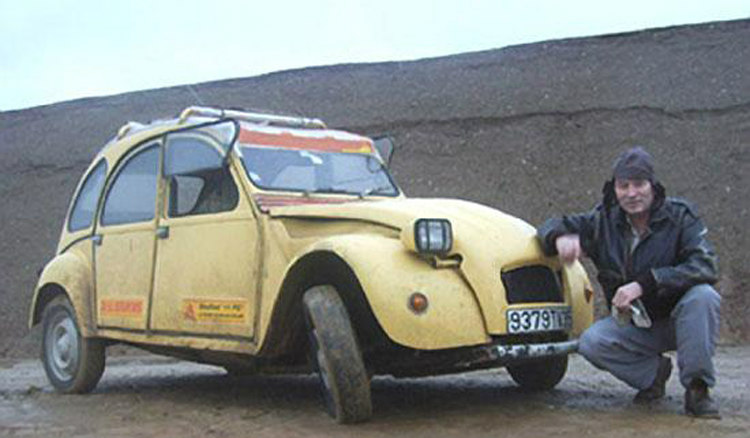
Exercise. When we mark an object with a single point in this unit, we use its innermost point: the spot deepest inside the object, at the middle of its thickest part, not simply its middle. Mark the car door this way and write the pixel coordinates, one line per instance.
(205, 278)
(124, 242)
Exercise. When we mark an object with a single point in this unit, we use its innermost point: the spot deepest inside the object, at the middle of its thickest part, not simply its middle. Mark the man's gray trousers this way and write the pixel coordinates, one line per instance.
(632, 354)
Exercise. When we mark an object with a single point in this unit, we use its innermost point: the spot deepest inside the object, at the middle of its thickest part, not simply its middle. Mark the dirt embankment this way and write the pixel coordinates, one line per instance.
(530, 129)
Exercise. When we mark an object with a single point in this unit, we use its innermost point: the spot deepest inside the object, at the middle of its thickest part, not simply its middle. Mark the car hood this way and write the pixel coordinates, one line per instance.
(473, 224)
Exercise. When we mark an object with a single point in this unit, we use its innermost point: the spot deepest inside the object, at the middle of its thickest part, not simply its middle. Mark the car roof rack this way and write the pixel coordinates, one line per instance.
(268, 119)
(126, 128)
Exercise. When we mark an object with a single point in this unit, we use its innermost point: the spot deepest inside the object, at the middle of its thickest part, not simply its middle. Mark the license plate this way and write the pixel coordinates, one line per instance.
(541, 319)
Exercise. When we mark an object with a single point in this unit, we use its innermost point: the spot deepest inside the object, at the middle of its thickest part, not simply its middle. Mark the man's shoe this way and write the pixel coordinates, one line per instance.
(658, 388)
(698, 403)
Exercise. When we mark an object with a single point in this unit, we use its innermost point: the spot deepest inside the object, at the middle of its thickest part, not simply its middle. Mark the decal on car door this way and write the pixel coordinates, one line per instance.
(215, 311)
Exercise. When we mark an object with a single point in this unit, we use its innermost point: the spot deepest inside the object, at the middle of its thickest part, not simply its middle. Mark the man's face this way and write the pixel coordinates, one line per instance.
(634, 195)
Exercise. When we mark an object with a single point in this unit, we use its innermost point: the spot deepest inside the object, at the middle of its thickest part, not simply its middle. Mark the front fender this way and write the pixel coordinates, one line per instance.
(581, 296)
(70, 272)
(389, 273)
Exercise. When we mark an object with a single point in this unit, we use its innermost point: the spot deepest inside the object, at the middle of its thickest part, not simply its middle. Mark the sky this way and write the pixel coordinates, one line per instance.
(57, 50)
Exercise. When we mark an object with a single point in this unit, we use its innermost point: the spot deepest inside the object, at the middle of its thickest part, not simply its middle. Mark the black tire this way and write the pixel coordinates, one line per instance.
(539, 375)
(240, 370)
(336, 356)
(73, 363)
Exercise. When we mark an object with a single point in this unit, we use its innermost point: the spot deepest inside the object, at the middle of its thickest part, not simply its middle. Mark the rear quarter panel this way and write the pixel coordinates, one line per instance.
(72, 272)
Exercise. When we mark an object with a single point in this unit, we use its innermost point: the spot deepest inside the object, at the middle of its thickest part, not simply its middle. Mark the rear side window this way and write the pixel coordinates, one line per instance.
(132, 197)
(84, 207)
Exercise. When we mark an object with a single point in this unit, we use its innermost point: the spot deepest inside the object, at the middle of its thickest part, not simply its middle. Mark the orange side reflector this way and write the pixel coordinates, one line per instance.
(418, 302)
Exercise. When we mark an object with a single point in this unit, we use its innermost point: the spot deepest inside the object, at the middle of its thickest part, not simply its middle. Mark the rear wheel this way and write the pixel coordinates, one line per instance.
(336, 356)
(73, 363)
(539, 375)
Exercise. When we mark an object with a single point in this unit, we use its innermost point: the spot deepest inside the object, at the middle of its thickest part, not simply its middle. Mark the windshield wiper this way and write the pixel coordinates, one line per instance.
(329, 190)
(373, 190)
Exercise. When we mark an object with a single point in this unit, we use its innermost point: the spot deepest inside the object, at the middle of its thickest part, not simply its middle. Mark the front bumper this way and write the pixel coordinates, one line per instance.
(413, 363)
(514, 353)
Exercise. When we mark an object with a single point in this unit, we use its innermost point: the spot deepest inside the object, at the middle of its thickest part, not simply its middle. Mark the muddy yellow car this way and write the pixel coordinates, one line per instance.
(268, 243)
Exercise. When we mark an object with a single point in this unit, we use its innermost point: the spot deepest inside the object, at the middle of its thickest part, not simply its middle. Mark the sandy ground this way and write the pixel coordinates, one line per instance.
(147, 396)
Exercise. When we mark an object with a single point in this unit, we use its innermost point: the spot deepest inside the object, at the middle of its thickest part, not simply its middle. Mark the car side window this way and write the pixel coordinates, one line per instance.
(132, 196)
(203, 191)
(84, 207)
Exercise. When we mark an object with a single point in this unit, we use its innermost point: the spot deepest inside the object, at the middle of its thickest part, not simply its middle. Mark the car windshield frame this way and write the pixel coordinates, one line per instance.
(320, 159)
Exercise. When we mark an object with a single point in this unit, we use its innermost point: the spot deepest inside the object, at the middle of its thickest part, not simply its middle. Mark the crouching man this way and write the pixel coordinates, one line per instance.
(650, 248)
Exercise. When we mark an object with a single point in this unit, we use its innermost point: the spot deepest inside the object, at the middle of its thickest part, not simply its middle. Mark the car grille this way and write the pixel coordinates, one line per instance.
(532, 284)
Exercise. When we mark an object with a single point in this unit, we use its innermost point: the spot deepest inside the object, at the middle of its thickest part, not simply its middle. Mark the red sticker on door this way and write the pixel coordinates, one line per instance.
(129, 308)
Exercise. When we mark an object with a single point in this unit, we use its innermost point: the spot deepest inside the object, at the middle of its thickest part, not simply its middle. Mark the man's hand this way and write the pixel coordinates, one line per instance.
(568, 247)
(625, 295)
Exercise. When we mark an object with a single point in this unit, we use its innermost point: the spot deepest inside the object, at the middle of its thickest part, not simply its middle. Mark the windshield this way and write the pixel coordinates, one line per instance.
(286, 169)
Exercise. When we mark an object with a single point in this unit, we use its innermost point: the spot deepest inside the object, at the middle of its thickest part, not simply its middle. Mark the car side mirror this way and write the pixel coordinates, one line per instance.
(385, 147)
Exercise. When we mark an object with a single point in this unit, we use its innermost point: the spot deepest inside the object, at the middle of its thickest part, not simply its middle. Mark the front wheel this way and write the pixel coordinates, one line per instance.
(336, 355)
(73, 363)
(539, 375)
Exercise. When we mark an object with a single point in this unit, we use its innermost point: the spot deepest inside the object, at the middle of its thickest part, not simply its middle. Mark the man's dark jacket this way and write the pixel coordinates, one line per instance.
(672, 256)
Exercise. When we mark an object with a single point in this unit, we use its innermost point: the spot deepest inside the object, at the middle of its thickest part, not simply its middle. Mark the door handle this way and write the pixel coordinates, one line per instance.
(97, 239)
(162, 232)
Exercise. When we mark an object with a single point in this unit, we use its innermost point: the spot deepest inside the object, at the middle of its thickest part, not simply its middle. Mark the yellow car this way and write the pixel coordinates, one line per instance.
(265, 243)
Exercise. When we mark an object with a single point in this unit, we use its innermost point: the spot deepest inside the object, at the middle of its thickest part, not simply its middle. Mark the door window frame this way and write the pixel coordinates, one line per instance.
(158, 143)
(223, 152)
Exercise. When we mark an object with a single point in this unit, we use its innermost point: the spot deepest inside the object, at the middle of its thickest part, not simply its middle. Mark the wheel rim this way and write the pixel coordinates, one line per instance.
(62, 347)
